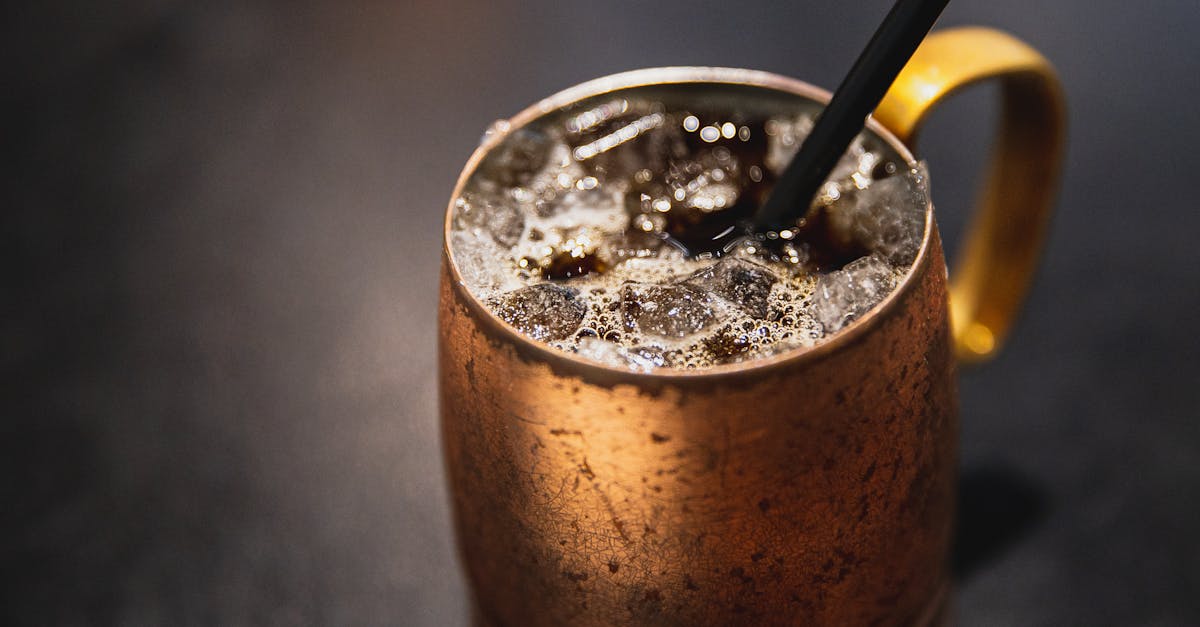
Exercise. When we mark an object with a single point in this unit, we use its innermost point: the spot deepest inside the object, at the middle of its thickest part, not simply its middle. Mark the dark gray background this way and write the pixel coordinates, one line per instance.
(217, 333)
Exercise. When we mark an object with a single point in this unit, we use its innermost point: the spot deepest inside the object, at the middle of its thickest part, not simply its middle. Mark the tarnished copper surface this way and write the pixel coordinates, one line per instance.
(814, 488)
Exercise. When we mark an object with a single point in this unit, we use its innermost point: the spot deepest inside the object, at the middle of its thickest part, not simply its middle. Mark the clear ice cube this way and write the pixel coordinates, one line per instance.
(896, 231)
(851, 163)
(618, 139)
(670, 311)
(483, 264)
(544, 312)
(888, 217)
(741, 282)
(516, 160)
(486, 211)
(843, 295)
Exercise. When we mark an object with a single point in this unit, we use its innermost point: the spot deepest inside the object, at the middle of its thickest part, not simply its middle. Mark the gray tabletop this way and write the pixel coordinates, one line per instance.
(219, 386)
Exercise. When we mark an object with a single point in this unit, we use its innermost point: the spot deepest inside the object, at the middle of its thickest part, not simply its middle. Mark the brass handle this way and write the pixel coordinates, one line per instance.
(1004, 239)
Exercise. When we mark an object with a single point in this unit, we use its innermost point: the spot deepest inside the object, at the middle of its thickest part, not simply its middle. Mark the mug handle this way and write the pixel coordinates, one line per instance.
(1001, 247)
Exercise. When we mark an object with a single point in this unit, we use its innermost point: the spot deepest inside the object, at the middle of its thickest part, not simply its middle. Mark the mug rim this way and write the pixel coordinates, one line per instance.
(674, 75)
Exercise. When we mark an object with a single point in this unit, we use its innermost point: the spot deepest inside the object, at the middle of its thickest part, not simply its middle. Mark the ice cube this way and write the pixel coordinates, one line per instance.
(544, 312)
(483, 264)
(598, 208)
(483, 210)
(637, 358)
(558, 176)
(893, 222)
(888, 217)
(849, 171)
(517, 159)
(619, 139)
(743, 283)
(843, 295)
(671, 311)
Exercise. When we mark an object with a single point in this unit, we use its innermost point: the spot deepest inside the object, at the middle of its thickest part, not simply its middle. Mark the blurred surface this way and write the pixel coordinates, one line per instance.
(218, 333)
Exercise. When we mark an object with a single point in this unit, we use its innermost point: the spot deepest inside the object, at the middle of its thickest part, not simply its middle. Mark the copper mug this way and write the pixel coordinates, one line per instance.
(815, 487)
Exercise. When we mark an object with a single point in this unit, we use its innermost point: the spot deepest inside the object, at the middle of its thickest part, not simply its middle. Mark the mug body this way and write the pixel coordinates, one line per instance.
(814, 487)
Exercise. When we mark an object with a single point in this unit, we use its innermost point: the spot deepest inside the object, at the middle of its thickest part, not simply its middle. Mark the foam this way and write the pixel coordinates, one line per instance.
(567, 189)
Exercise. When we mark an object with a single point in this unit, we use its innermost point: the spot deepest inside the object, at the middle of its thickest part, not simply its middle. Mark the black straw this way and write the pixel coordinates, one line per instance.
(860, 92)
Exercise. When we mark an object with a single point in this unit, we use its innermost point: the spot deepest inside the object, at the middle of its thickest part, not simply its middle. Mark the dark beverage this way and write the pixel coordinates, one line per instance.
(617, 229)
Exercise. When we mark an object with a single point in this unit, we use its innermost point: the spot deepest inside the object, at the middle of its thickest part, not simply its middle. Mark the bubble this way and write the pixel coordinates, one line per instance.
(727, 344)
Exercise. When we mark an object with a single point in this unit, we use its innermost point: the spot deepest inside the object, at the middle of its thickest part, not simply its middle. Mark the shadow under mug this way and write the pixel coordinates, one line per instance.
(814, 487)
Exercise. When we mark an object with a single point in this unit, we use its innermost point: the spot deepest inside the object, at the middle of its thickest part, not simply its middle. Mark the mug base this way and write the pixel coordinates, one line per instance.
(939, 612)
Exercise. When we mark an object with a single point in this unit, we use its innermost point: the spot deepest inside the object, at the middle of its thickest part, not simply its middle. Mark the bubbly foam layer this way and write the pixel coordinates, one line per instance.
(573, 229)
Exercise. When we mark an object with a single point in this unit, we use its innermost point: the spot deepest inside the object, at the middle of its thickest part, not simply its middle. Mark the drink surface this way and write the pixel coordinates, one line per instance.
(613, 229)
